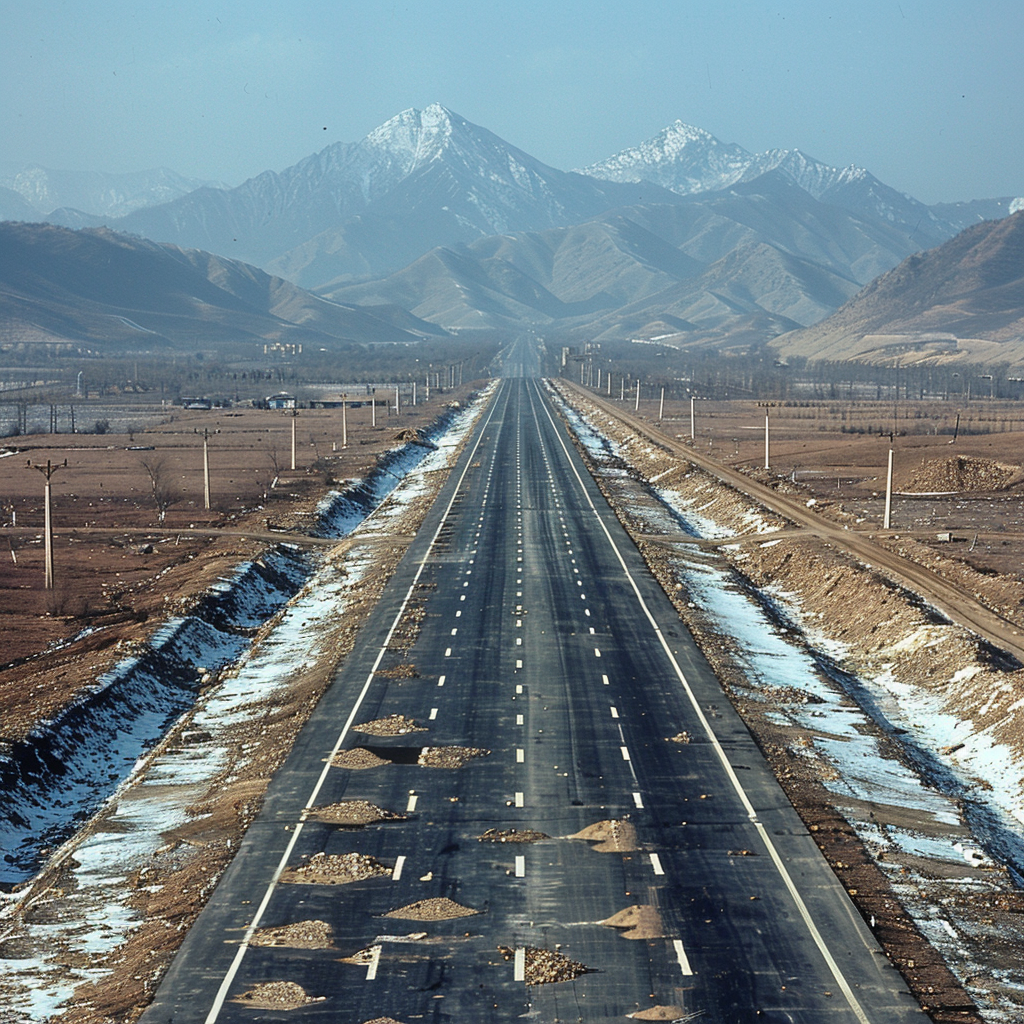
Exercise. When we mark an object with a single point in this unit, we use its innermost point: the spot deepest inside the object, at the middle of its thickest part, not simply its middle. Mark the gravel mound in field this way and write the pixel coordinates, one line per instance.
(438, 908)
(353, 812)
(449, 757)
(301, 935)
(638, 922)
(963, 473)
(545, 966)
(392, 725)
(358, 759)
(337, 869)
(277, 995)
(610, 836)
(512, 835)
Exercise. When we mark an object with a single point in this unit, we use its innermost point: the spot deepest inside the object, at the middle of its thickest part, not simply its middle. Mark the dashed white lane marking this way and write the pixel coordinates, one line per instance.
(592, 630)
(520, 755)
(684, 963)
(396, 874)
(433, 714)
(440, 681)
(519, 663)
(411, 805)
(519, 687)
(458, 614)
(638, 800)
(520, 866)
(604, 679)
(520, 964)
(455, 630)
(519, 641)
(625, 753)
(463, 597)
(656, 864)
(371, 970)
(586, 611)
(614, 711)
(519, 798)
(519, 719)
(447, 652)
(597, 652)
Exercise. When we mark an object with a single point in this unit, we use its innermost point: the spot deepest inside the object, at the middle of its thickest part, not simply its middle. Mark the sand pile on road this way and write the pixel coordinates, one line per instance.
(660, 1013)
(358, 759)
(300, 935)
(277, 995)
(545, 966)
(449, 757)
(610, 836)
(392, 725)
(512, 835)
(638, 922)
(437, 908)
(353, 812)
(336, 869)
(963, 473)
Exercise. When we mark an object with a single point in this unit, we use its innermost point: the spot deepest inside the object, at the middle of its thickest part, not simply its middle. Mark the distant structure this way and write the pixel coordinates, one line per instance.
(282, 400)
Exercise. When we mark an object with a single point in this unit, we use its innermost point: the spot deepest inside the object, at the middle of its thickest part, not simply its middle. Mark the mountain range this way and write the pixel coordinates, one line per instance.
(682, 238)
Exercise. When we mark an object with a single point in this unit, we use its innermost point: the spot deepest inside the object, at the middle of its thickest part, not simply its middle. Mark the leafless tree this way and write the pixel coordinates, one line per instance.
(160, 477)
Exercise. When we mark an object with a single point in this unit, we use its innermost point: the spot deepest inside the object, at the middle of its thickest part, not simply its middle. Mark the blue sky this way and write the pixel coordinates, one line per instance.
(927, 94)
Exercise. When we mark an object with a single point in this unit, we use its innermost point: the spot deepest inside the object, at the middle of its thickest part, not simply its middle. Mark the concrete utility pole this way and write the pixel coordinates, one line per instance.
(609, 383)
(692, 435)
(636, 404)
(48, 472)
(206, 469)
(398, 402)
(661, 406)
(622, 390)
(344, 421)
(373, 409)
(295, 413)
(887, 520)
(767, 453)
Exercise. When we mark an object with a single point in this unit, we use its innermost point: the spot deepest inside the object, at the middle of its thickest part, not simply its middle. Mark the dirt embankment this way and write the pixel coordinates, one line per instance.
(884, 632)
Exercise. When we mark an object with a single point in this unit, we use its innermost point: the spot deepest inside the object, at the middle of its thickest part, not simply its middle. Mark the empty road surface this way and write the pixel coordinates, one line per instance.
(543, 640)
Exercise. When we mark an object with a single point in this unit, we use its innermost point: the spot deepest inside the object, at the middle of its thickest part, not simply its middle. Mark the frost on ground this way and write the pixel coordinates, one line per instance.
(90, 935)
(851, 683)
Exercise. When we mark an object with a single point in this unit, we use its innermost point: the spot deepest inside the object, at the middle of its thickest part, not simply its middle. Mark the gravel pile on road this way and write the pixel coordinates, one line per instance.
(383, 1020)
(277, 995)
(680, 737)
(661, 1013)
(545, 966)
(512, 835)
(438, 908)
(362, 956)
(337, 869)
(392, 725)
(301, 935)
(610, 836)
(353, 812)
(638, 922)
(358, 759)
(449, 757)
(404, 671)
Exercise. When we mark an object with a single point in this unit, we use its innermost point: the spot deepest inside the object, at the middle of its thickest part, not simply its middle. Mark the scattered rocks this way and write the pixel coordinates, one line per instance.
(403, 671)
(336, 869)
(353, 812)
(300, 935)
(277, 995)
(437, 908)
(680, 737)
(449, 757)
(638, 922)
(546, 966)
(392, 725)
(512, 835)
(610, 836)
(358, 759)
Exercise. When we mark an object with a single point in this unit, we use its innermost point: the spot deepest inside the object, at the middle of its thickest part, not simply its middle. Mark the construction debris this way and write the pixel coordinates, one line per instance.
(438, 908)
(336, 869)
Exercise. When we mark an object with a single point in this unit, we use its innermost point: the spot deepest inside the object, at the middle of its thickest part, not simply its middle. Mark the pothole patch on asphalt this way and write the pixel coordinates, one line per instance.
(449, 757)
(546, 966)
(277, 995)
(300, 935)
(336, 869)
(611, 836)
(438, 908)
(353, 812)
(391, 725)
(638, 922)
(512, 835)
(358, 759)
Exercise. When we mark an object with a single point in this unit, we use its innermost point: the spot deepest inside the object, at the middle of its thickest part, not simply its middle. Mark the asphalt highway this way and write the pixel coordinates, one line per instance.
(543, 640)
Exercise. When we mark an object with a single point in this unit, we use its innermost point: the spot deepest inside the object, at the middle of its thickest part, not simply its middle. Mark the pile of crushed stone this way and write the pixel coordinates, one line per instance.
(545, 966)
(610, 836)
(392, 725)
(638, 922)
(512, 835)
(358, 759)
(300, 935)
(336, 869)
(277, 995)
(449, 757)
(404, 671)
(438, 908)
(659, 1012)
(963, 473)
(353, 812)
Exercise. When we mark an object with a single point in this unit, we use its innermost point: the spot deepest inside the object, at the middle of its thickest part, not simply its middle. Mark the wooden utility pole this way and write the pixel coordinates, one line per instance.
(48, 472)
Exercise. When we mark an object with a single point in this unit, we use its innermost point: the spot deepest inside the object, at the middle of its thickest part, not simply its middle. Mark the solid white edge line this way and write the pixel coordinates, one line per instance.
(229, 977)
(805, 914)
